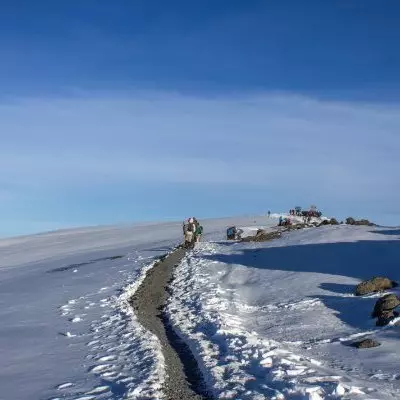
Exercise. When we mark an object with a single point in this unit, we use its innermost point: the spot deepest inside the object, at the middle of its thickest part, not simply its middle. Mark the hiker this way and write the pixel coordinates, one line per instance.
(198, 233)
(189, 232)
(269, 214)
(231, 233)
(188, 239)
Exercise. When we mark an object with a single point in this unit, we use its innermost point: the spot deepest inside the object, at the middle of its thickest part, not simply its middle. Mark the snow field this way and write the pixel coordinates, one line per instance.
(261, 332)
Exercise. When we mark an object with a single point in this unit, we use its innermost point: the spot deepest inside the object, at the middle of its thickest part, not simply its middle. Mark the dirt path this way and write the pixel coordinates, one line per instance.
(183, 380)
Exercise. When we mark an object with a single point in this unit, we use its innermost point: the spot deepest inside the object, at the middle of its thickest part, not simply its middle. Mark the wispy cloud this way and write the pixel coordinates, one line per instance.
(165, 136)
(342, 151)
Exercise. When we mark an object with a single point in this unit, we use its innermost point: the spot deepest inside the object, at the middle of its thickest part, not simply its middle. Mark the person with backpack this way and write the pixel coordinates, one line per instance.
(198, 233)
(189, 232)
(190, 229)
(231, 233)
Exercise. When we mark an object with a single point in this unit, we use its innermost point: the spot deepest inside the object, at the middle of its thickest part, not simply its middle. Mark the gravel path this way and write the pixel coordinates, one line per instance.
(184, 380)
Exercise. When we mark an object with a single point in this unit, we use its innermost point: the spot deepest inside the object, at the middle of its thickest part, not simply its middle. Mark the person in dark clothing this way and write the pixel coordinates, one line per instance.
(231, 233)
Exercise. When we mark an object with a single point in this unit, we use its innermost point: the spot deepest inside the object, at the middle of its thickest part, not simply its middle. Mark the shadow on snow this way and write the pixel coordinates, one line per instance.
(360, 260)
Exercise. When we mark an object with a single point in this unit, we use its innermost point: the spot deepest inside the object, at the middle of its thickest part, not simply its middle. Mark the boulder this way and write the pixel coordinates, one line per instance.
(385, 304)
(376, 284)
(262, 236)
(352, 221)
(386, 317)
(332, 221)
(366, 344)
(364, 222)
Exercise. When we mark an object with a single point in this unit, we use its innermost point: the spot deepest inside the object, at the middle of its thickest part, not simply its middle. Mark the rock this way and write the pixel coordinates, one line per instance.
(386, 317)
(332, 221)
(376, 284)
(386, 303)
(364, 222)
(262, 236)
(295, 226)
(352, 221)
(366, 344)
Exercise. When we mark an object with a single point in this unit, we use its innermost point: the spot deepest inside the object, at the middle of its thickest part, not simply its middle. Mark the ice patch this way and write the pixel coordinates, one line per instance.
(65, 386)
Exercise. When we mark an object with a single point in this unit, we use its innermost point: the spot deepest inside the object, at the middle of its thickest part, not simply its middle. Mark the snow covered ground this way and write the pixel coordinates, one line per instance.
(274, 319)
(265, 320)
(66, 329)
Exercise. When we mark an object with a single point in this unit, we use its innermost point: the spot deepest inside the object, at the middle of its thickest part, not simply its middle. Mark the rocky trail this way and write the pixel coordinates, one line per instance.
(183, 378)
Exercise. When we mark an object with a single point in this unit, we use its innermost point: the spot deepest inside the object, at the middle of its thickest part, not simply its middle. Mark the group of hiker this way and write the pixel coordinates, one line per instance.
(192, 231)
(296, 211)
(284, 221)
(233, 233)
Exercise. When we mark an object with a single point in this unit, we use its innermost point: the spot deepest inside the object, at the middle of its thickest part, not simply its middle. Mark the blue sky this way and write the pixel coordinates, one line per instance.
(128, 111)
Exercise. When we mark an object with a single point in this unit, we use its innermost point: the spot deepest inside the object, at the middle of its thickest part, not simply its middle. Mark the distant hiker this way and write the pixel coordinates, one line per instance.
(198, 233)
(269, 214)
(188, 239)
(189, 230)
(231, 233)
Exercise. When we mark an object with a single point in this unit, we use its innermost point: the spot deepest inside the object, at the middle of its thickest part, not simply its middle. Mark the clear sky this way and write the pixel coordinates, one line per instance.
(121, 111)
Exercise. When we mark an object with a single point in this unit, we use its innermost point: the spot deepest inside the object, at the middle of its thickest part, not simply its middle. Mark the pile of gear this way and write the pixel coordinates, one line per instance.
(233, 233)
(284, 221)
(192, 231)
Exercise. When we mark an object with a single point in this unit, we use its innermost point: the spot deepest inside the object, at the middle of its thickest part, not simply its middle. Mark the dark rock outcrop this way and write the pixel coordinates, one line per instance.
(352, 221)
(376, 284)
(366, 344)
(386, 317)
(385, 305)
(262, 236)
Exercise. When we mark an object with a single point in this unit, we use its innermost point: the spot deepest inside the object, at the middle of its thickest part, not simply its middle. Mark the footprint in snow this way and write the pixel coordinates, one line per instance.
(67, 334)
(99, 390)
(64, 386)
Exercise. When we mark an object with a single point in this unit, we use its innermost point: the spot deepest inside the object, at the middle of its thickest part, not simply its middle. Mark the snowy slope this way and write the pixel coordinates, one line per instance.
(274, 319)
(66, 329)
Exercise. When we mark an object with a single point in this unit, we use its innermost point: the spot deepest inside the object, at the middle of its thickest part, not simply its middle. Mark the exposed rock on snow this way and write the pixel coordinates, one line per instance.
(366, 344)
(332, 221)
(386, 317)
(352, 221)
(385, 304)
(376, 284)
(262, 236)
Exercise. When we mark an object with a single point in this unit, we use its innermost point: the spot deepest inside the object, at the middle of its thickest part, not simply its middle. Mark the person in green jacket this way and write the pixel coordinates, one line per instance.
(198, 233)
